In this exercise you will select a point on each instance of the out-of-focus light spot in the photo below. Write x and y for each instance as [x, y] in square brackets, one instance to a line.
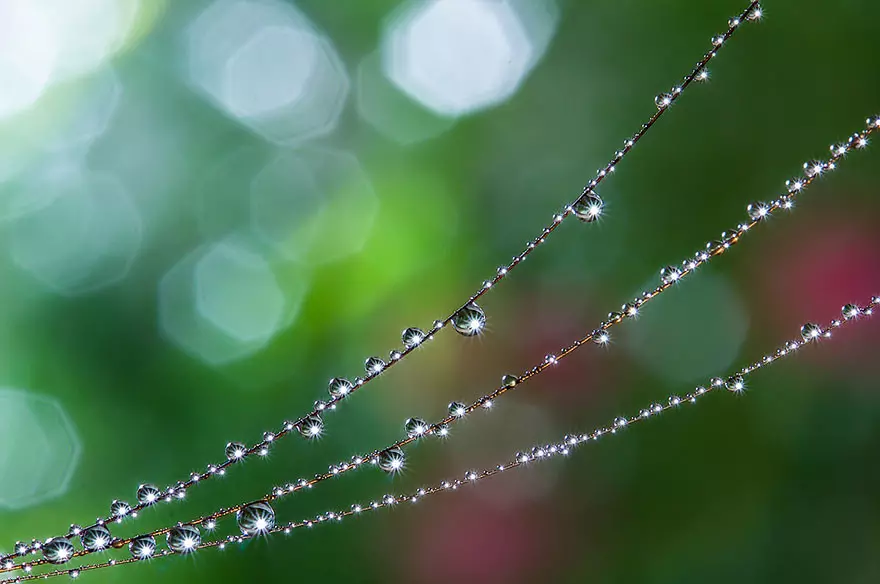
[85, 239]
[39, 449]
[691, 332]
[391, 112]
[222, 303]
[28, 50]
[89, 113]
[265, 64]
[313, 206]
[461, 56]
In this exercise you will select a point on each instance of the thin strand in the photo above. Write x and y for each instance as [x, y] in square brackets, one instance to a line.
[310, 425]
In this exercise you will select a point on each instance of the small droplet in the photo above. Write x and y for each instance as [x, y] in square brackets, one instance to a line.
[412, 337]
[735, 383]
[851, 311]
[589, 207]
[757, 211]
[339, 387]
[469, 321]
[620, 422]
[142, 547]
[663, 100]
[184, 539]
[509, 380]
[119, 509]
[457, 409]
[58, 550]
[256, 519]
[703, 75]
[601, 337]
[755, 13]
[148, 494]
[415, 427]
[670, 274]
[674, 400]
[235, 450]
[96, 538]
[630, 310]
[312, 426]
[374, 365]
[718, 40]
[810, 331]
[391, 460]
[813, 168]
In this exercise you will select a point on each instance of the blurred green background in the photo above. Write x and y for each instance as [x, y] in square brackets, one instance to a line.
[208, 209]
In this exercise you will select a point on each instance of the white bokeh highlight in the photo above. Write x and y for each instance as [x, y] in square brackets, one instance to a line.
[76, 232]
[39, 449]
[460, 56]
[266, 65]
[313, 206]
[223, 302]
[28, 51]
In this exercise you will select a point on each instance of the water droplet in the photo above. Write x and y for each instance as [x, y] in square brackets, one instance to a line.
[58, 550]
[469, 321]
[755, 13]
[119, 509]
[735, 383]
[412, 337]
[312, 426]
[96, 538]
[256, 519]
[674, 400]
[374, 365]
[184, 539]
[509, 380]
[147, 494]
[757, 211]
[391, 460]
[670, 274]
[588, 208]
[620, 422]
[810, 331]
[718, 40]
[235, 450]
[601, 337]
[142, 547]
[339, 387]
[813, 168]
[457, 409]
[415, 427]
[663, 100]
[851, 311]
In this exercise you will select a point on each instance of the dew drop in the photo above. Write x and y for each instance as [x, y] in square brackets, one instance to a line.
[256, 519]
[142, 547]
[588, 208]
[391, 460]
[235, 451]
[58, 550]
[184, 539]
[469, 321]
[96, 538]
[412, 337]
[339, 387]
[312, 426]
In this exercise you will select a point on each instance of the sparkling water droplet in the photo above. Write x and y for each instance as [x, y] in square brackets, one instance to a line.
[96, 538]
[256, 519]
[184, 539]
[670, 274]
[120, 509]
[810, 331]
[374, 365]
[851, 311]
[457, 409]
[415, 427]
[412, 337]
[469, 321]
[674, 400]
[235, 450]
[339, 387]
[757, 211]
[312, 426]
[58, 550]
[663, 100]
[148, 494]
[620, 422]
[509, 380]
[718, 40]
[391, 460]
[814, 168]
[755, 13]
[588, 208]
[735, 383]
[142, 547]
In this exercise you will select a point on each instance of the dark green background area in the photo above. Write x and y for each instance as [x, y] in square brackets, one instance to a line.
[777, 485]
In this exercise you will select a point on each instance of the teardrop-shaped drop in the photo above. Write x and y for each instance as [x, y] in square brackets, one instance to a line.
[415, 427]
[469, 321]
[120, 509]
[509, 380]
[148, 494]
[412, 337]
[663, 100]
[810, 331]
[142, 547]
[184, 539]
[589, 207]
[457, 409]
[58, 550]
[391, 460]
[96, 538]
[312, 426]
[235, 450]
[339, 387]
[256, 519]
[374, 365]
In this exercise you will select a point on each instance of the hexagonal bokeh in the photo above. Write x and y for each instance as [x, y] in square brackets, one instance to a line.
[463, 56]
[83, 237]
[93, 107]
[265, 64]
[313, 206]
[39, 449]
[222, 302]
